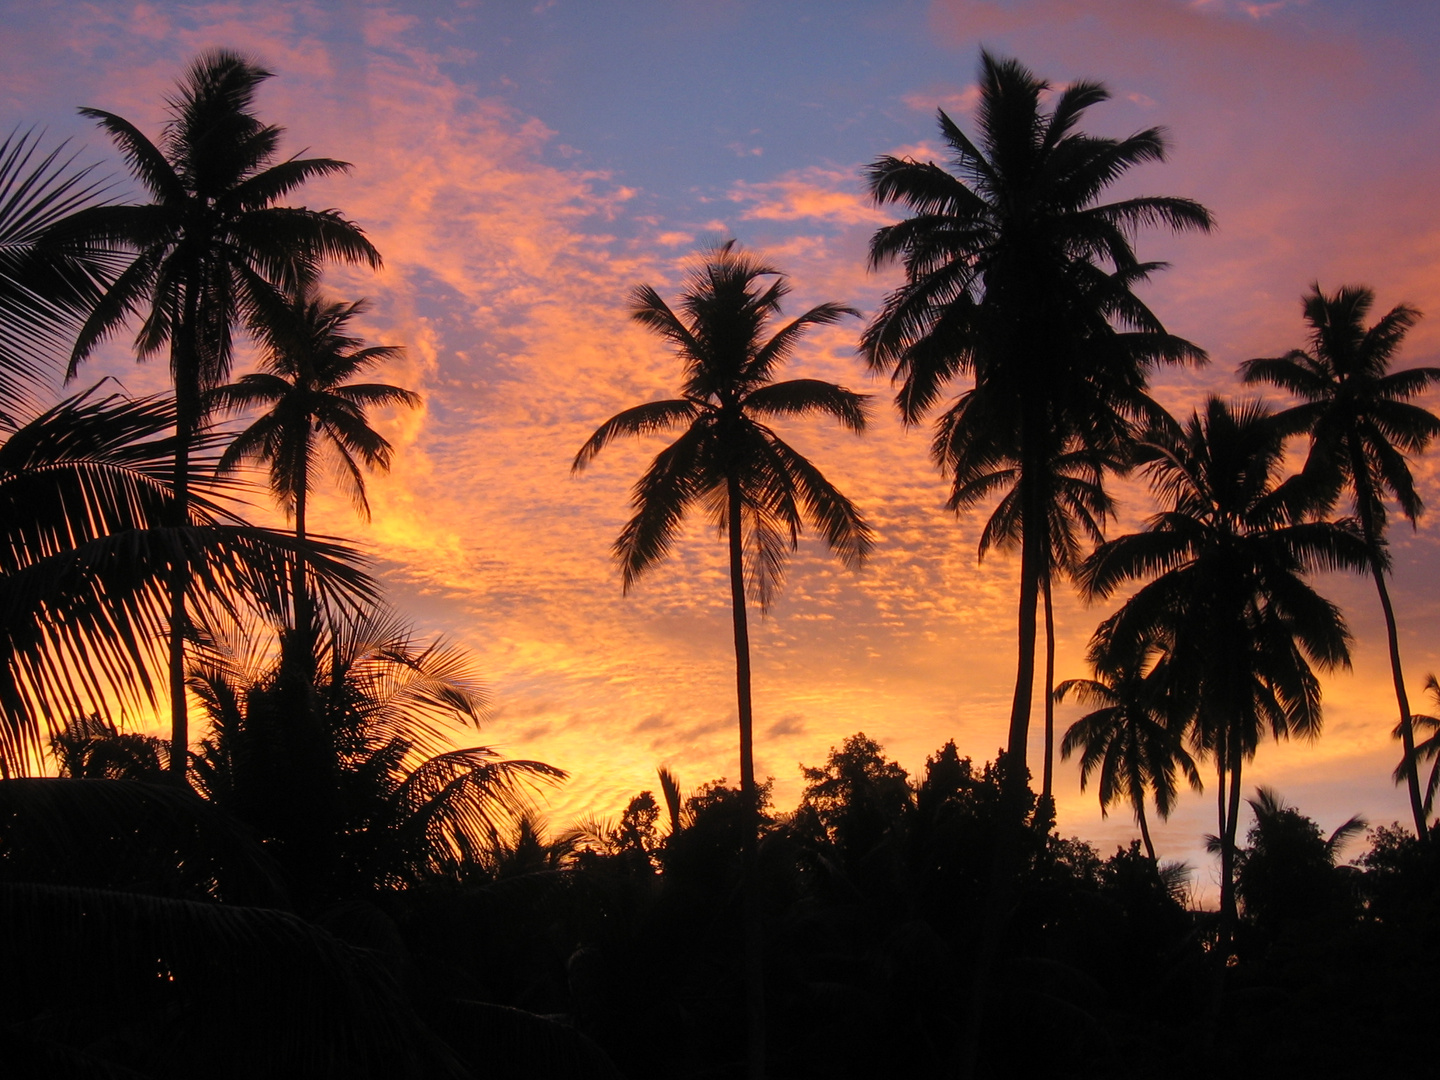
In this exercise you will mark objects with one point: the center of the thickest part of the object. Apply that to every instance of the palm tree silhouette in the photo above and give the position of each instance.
(315, 412)
(1076, 506)
(357, 782)
(1006, 282)
(1130, 740)
(209, 248)
(1228, 607)
(86, 543)
(753, 485)
(1362, 423)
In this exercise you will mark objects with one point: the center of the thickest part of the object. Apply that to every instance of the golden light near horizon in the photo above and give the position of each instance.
(520, 177)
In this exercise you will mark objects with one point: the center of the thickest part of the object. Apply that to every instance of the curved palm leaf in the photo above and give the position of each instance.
(43, 290)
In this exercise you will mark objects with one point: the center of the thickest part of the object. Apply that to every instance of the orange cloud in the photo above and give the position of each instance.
(817, 194)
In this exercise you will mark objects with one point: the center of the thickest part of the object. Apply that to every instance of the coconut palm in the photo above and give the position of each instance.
(1017, 276)
(353, 776)
(209, 249)
(1240, 630)
(1076, 504)
(1129, 739)
(1362, 422)
(1288, 870)
(315, 413)
(751, 483)
(86, 543)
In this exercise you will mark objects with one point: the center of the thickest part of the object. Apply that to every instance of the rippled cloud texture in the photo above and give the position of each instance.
(522, 167)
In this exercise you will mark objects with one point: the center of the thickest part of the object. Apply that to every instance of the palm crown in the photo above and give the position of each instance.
(728, 393)
(212, 243)
(1358, 412)
(309, 356)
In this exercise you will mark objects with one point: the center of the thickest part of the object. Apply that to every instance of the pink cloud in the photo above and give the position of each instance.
(817, 193)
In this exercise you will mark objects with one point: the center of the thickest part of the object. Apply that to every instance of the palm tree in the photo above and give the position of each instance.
(1076, 504)
(1007, 282)
(1288, 871)
(1228, 611)
(752, 484)
(210, 248)
(355, 782)
(86, 544)
(315, 411)
(1362, 423)
(1129, 739)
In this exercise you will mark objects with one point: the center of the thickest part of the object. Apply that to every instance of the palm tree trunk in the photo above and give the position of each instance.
(749, 883)
(1031, 569)
(1364, 501)
(1221, 804)
(1229, 913)
(1145, 830)
(1047, 788)
(299, 586)
(1407, 730)
(184, 365)
(178, 586)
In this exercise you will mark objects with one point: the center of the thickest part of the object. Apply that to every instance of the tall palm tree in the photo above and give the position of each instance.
(1017, 276)
(315, 412)
(209, 249)
(753, 485)
(1238, 628)
(1130, 740)
(1362, 422)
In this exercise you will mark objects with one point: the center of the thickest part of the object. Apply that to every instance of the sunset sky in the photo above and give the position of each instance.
(521, 166)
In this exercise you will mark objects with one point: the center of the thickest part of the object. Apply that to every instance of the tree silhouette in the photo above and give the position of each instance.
(1129, 739)
(753, 485)
(86, 546)
(1076, 505)
(354, 779)
(1228, 607)
(1006, 281)
(1287, 872)
(1362, 423)
(209, 248)
(315, 412)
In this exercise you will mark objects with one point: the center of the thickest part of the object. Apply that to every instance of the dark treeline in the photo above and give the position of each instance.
(308, 878)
